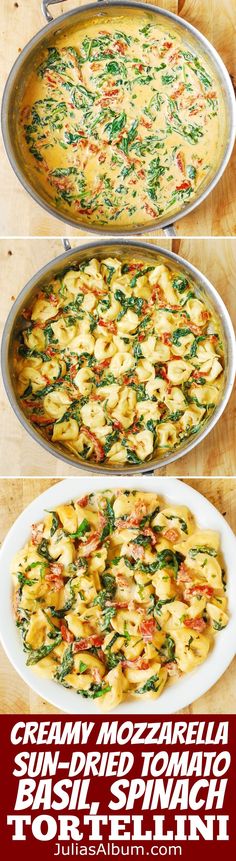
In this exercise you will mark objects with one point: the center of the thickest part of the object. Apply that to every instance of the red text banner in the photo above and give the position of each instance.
(85, 786)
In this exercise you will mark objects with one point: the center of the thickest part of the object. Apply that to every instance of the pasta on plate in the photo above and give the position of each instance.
(121, 121)
(115, 592)
(119, 360)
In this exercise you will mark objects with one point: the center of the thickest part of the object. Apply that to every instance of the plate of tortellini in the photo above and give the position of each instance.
(119, 594)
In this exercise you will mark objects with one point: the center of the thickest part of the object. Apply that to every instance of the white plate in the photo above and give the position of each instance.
(187, 688)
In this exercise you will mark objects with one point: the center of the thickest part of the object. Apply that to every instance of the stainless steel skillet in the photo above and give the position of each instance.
(126, 248)
(16, 81)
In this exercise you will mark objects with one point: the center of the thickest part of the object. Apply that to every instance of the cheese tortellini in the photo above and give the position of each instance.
(120, 362)
(115, 592)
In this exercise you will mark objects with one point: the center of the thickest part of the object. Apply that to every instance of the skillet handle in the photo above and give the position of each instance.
(170, 231)
(45, 10)
(148, 472)
(45, 7)
(66, 243)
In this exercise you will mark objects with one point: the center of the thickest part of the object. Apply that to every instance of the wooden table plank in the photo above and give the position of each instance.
(217, 20)
(15, 695)
(216, 258)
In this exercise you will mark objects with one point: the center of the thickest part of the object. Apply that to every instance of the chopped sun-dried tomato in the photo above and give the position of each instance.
(195, 624)
(171, 535)
(147, 629)
(88, 643)
(67, 635)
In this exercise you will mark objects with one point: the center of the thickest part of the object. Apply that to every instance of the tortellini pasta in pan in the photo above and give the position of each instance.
(120, 362)
(117, 591)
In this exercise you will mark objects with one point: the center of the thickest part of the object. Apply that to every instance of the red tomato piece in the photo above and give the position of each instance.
(135, 266)
(171, 535)
(55, 583)
(112, 92)
(202, 589)
(183, 575)
(67, 636)
(98, 448)
(56, 568)
(118, 425)
(120, 47)
(40, 420)
(119, 605)
(83, 502)
(147, 629)
(121, 580)
(153, 536)
(50, 80)
(198, 374)
(91, 545)
(183, 186)
(26, 313)
(166, 338)
(94, 147)
(150, 210)
(178, 92)
(136, 551)
(98, 368)
(180, 161)
(50, 352)
(37, 533)
(172, 668)
(88, 643)
(128, 380)
(195, 624)
(137, 664)
(110, 326)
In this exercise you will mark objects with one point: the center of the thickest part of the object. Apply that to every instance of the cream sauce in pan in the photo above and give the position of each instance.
(119, 121)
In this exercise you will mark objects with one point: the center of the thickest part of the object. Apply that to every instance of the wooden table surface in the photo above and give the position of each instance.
(15, 695)
(21, 216)
(20, 455)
